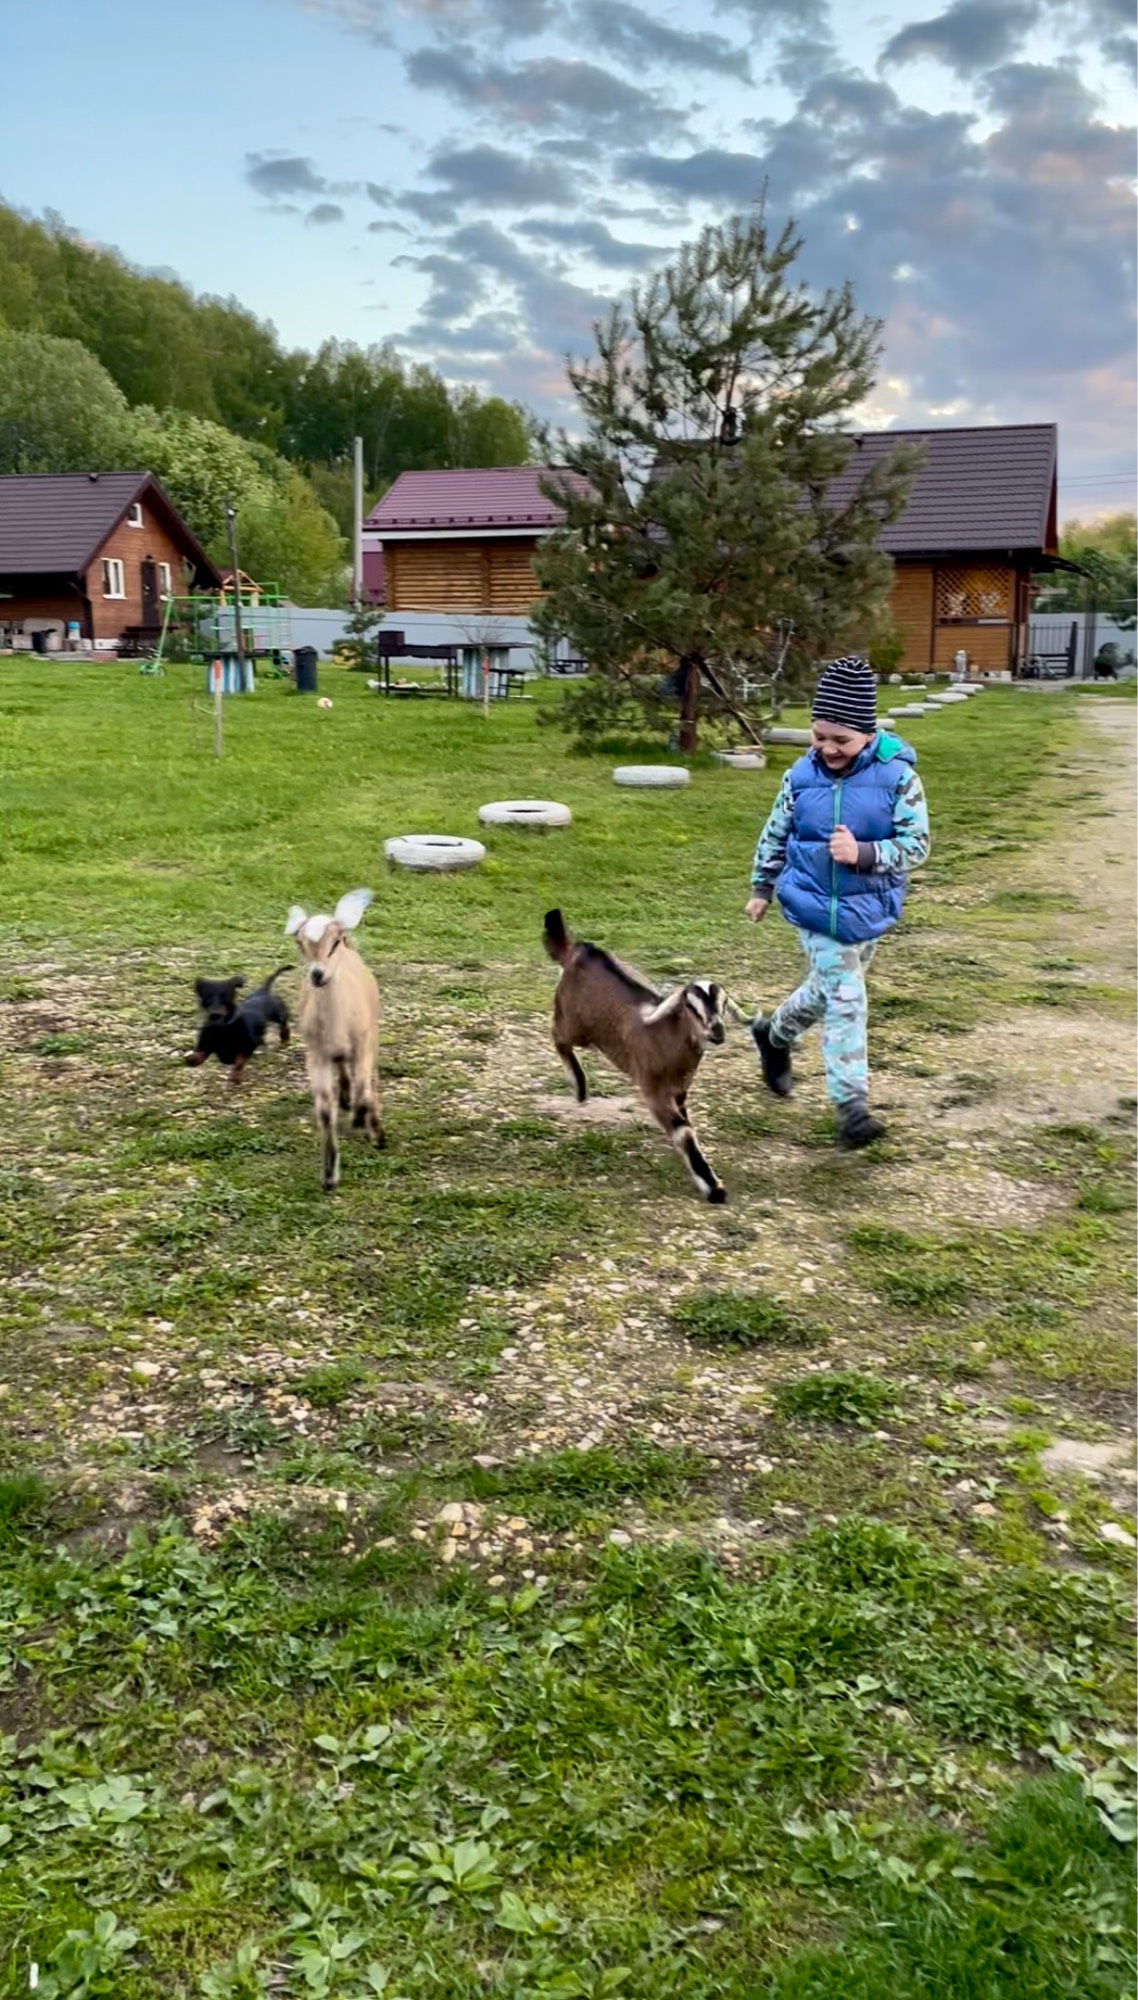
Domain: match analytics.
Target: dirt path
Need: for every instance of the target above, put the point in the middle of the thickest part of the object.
(594, 1356)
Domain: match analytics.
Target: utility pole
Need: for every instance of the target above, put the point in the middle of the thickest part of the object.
(358, 526)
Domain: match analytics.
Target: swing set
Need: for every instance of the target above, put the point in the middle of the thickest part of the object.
(203, 627)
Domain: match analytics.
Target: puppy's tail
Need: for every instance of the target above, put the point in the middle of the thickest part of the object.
(556, 938)
(268, 985)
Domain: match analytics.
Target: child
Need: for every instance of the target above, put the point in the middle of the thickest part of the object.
(848, 824)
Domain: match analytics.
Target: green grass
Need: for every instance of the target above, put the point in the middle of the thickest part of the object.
(471, 1585)
(840, 1397)
(739, 1319)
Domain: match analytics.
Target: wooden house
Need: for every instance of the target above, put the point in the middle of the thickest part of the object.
(88, 559)
(460, 544)
(980, 518)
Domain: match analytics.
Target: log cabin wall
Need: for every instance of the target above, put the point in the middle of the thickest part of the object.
(461, 576)
(911, 607)
(939, 607)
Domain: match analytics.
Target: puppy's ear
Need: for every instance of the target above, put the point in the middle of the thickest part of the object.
(235, 985)
(201, 987)
(350, 909)
(296, 918)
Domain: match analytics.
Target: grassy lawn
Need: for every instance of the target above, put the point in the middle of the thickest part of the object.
(509, 1577)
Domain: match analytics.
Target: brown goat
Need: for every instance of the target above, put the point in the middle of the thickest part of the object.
(338, 1018)
(656, 1041)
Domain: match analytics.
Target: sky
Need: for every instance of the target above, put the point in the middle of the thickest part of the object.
(477, 180)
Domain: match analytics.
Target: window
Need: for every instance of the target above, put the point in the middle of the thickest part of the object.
(974, 595)
(113, 583)
(164, 589)
(134, 514)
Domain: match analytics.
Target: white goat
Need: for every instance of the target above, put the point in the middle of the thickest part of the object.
(338, 1018)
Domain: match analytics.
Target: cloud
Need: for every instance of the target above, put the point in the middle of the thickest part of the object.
(970, 36)
(776, 18)
(596, 241)
(324, 213)
(516, 20)
(999, 255)
(280, 174)
(359, 17)
(456, 286)
(493, 304)
(711, 175)
(551, 90)
(635, 37)
(1123, 50)
(488, 177)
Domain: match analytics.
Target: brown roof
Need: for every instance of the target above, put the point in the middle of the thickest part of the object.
(988, 487)
(54, 523)
(501, 496)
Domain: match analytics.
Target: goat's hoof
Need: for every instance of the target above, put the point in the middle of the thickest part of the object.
(381, 1140)
(717, 1197)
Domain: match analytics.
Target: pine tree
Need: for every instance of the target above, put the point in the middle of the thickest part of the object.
(356, 647)
(716, 529)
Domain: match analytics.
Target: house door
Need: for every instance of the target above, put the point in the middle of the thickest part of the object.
(150, 617)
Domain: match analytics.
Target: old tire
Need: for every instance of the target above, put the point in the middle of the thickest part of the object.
(651, 777)
(433, 853)
(741, 760)
(525, 812)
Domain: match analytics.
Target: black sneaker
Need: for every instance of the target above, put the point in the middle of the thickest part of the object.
(778, 1074)
(857, 1127)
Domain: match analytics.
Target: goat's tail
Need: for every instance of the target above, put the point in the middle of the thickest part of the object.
(268, 984)
(558, 942)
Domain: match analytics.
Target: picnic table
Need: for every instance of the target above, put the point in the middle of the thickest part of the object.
(393, 646)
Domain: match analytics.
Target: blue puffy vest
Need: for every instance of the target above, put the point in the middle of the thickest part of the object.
(819, 894)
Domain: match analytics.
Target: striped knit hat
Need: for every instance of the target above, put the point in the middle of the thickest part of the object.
(847, 693)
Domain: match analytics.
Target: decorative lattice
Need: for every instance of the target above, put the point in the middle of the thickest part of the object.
(973, 593)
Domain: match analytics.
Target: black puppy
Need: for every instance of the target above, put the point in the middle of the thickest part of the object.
(233, 1033)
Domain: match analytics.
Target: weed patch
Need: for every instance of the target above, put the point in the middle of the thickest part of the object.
(836, 1397)
(743, 1319)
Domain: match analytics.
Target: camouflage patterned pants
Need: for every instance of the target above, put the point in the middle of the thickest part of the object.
(833, 993)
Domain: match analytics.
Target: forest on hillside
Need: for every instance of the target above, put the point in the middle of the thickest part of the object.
(105, 366)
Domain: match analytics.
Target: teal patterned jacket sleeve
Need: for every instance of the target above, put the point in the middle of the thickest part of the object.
(910, 841)
(771, 850)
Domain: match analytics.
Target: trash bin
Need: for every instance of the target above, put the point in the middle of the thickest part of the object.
(304, 658)
(39, 642)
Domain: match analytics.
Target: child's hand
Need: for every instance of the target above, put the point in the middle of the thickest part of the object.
(757, 908)
(843, 846)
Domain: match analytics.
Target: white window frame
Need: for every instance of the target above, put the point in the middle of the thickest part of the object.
(114, 574)
(165, 581)
(134, 514)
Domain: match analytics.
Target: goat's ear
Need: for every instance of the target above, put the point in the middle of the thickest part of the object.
(350, 909)
(710, 992)
(671, 1004)
(200, 986)
(235, 984)
(296, 917)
